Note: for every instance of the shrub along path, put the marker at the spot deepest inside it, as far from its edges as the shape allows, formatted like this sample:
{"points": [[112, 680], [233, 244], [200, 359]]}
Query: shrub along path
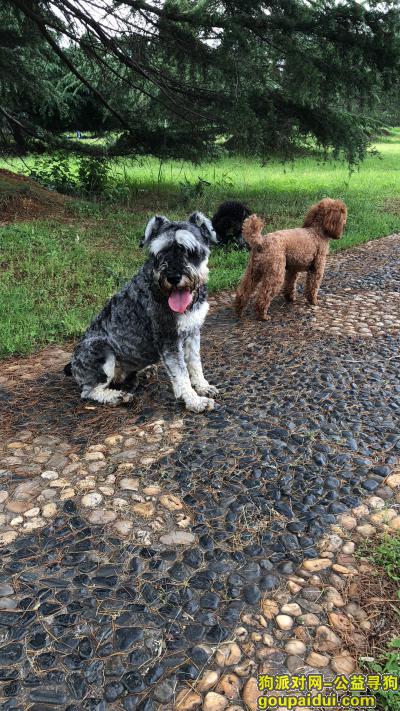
{"points": [[153, 559]]}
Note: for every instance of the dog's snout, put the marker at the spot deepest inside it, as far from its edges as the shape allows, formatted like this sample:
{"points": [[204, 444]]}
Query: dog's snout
{"points": [[174, 279]]}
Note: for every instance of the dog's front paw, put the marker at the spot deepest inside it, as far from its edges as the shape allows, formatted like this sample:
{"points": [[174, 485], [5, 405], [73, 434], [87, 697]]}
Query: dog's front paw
{"points": [[206, 390], [199, 404]]}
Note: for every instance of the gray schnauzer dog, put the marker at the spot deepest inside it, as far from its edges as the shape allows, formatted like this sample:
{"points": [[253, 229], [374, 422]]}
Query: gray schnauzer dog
{"points": [[156, 316]]}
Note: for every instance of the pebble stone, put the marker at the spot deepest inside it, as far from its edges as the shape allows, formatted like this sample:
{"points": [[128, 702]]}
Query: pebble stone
{"points": [[171, 502], [228, 655], [366, 530], [32, 512], [316, 565], [215, 702], [349, 547], [49, 475], [123, 527], [187, 700], [295, 646], [393, 480], [251, 694], [270, 608], [334, 597], [129, 484], [348, 522], [284, 622], [178, 538], [208, 680], [49, 510], [326, 640], [16, 520], [229, 686], [317, 660], [343, 664], [91, 500], [100, 516], [292, 608], [6, 589]]}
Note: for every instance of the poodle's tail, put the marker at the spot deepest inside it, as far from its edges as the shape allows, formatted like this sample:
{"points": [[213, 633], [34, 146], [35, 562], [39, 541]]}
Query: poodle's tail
{"points": [[252, 228]]}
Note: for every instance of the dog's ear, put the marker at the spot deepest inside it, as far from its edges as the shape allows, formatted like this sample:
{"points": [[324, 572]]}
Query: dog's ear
{"points": [[204, 225], [314, 216], [334, 220], [153, 228]]}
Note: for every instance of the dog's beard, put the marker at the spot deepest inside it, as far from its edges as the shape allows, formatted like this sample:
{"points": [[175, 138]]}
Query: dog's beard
{"points": [[180, 296]]}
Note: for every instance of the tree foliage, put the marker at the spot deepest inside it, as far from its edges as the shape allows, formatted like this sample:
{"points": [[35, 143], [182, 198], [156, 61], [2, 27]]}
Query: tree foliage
{"points": [[183, 77]]}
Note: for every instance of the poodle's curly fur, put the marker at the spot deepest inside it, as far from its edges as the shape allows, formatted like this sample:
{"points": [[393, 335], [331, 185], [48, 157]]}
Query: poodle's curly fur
{"points": [[277, 258]]}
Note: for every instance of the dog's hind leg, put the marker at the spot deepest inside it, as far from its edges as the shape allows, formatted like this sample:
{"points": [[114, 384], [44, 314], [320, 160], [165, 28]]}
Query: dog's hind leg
{"points": [[93, 367], [195, 368], [314, 278], [289, 287], [102, 392], [244, 291], [270, 287]]}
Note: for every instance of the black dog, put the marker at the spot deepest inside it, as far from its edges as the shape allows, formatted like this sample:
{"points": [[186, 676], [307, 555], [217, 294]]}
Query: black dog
{"points": [[228, 222]]}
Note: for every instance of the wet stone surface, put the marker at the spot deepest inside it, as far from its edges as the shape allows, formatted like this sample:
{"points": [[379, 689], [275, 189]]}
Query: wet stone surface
{"points": [[95, 616]]}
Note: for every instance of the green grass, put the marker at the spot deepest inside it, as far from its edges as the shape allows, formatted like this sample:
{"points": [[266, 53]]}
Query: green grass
{"points": [[53, 278], [387, 555], [54, 275]]}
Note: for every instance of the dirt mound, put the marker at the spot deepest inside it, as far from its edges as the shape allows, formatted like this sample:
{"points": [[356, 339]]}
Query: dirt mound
{"points": [[22, 199]]}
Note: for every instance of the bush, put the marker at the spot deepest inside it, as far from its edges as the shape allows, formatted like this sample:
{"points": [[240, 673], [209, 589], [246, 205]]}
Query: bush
{"points": [[54, 172], [93, 175], [85, 174]]}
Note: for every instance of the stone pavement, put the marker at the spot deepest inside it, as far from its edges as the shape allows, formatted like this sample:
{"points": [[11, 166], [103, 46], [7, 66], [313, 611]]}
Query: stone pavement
{"points": [[156, 559]]}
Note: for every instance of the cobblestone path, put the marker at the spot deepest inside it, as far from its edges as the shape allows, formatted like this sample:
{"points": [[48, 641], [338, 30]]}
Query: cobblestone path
{"points": [[153, 559]]}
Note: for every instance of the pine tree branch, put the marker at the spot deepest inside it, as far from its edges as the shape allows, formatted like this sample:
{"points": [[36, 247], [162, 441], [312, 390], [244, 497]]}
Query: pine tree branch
{"points": [[47, 36], [13, 120]]}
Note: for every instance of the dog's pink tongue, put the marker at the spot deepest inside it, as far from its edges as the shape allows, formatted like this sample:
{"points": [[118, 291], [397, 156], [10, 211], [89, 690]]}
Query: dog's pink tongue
{"points": [[179, 300]]}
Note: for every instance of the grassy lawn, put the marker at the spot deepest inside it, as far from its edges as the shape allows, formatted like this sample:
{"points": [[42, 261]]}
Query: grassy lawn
{"points": [[56, 273], [387, 556]]}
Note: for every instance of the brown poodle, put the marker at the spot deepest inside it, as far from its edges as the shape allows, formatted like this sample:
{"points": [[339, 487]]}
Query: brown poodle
{"points": [[277, 258]]}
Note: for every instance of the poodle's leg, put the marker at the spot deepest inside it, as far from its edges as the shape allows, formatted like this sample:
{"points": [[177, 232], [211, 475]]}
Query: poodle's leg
{"points": [[314, 277], [266, 293], [269, 287], [289, 288], [245, 290]]}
